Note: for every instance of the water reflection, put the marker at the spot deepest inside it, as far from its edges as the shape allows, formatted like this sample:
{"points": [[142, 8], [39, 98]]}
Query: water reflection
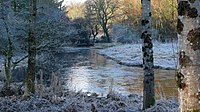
{"points": [[92, 72], [80, 83]]}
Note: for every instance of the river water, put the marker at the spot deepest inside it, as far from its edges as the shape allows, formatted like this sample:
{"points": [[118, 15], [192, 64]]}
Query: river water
{"points": [[84, 70]]}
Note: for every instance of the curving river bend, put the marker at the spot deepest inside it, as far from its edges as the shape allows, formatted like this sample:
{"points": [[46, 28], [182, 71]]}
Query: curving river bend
{"points": [[83, 69]]}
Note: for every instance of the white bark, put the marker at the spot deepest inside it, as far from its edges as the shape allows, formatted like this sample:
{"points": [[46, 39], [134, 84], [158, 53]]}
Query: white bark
{"points": [[189, 52], [147, 48]]}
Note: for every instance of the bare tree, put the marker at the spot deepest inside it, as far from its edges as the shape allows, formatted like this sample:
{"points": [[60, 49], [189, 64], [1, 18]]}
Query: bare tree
{"points": [[8, 45], [147, 49], [91, 19], [188, 78], [105, 10]]}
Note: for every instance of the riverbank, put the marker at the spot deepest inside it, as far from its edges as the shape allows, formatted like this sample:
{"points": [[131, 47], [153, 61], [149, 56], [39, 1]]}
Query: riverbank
{"points": [[86, 72], [81, 102], [165, 55]]}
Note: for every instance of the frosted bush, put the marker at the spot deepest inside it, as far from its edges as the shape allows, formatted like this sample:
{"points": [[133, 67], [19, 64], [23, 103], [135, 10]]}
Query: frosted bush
{"points": [[122, 34]]}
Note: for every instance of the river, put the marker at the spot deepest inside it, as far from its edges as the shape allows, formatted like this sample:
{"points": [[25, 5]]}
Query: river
{"points": [[84, 70]]}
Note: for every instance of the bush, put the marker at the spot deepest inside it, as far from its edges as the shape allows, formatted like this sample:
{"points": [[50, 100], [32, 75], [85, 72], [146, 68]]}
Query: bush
{"points": [[123, 34]]}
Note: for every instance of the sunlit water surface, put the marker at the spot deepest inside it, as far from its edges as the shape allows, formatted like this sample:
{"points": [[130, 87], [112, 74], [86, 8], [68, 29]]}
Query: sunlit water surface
{"points": [[87, 71]]}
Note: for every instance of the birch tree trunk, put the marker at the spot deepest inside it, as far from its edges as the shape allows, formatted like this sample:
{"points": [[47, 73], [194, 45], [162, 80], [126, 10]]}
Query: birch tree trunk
{"points": [[30, 78], [147, 49], [188, 75]]}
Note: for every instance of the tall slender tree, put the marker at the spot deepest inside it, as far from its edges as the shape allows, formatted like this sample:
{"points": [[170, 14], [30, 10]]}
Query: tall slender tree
{"points": [[147, 49], [188, 75], [30, 78], [7, 49]]}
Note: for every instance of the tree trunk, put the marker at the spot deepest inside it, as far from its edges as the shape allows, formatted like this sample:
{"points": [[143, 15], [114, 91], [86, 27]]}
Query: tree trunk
{"points": [[147, 49], [8, 54], [105, 30], [107, 36], [188, 78], [30, 78], [9, 59], [94, 33], [7, 65]]}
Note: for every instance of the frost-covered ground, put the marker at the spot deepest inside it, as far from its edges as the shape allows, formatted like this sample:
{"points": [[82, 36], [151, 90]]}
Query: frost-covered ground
{"points": [[165, 55], [80, 102]]}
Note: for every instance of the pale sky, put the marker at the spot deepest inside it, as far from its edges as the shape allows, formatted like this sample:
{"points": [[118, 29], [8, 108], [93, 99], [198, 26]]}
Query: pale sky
{"points": [[67, 2]]}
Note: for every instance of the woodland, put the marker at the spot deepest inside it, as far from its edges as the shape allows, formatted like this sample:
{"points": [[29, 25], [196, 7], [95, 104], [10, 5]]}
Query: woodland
{"points": [[100, 56]]}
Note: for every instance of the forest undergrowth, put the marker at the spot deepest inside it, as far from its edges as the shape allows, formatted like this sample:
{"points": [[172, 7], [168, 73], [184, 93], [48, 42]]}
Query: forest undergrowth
{"points": [[56, 99]]}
